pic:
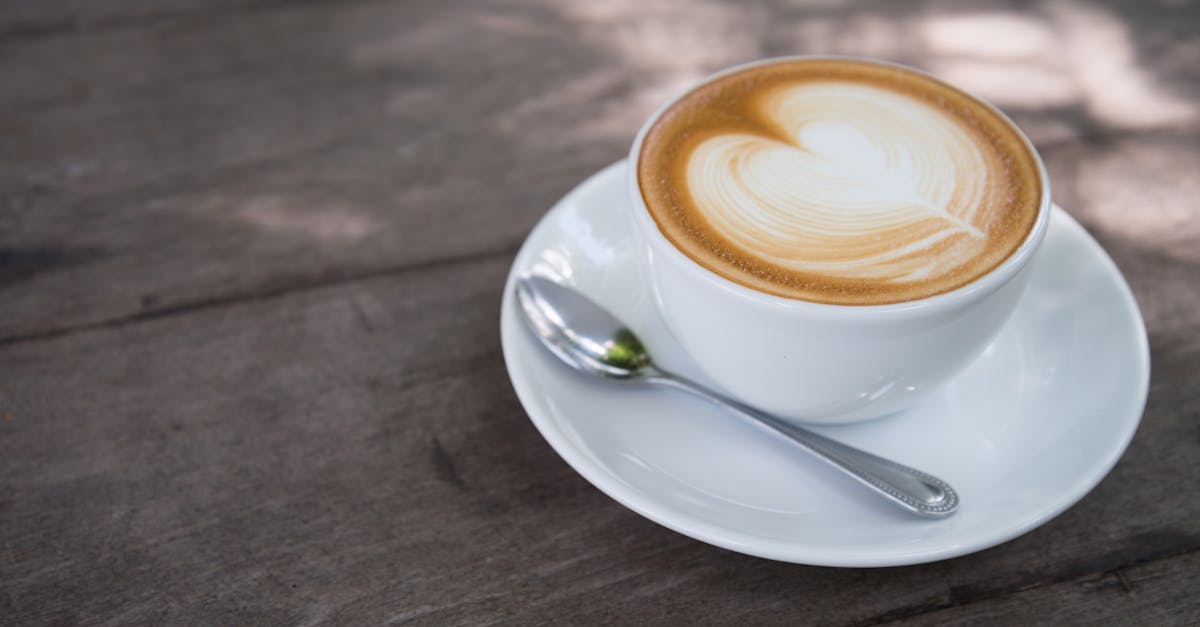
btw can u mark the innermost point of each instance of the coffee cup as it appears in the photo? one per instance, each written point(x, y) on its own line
point(831, 239)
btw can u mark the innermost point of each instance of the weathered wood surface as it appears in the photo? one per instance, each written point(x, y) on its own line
point(250, 266)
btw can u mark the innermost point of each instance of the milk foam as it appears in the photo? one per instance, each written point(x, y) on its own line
point(863, 166)
point(839, 181)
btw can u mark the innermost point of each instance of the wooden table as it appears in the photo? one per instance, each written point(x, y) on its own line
point(251, 257)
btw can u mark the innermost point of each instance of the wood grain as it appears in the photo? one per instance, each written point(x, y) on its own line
point(339, 454)
point(1159, 593)
point(251, 255)
point(303, 145)
point(202, 152)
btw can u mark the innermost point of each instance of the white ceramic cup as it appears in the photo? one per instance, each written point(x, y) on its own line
point(820, 363)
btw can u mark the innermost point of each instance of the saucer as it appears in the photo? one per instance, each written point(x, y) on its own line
point(1022, 434)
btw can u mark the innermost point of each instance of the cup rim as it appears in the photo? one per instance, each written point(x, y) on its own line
point(974, 290)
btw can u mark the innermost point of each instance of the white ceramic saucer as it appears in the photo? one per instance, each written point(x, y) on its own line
point(1022, 434)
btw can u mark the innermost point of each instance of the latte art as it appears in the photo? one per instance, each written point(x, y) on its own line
point(839, 181)
point(865, 166)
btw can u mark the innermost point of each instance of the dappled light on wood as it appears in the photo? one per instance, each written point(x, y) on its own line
point(275, 214)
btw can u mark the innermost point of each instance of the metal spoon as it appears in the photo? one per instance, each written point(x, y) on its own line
point(590, 339)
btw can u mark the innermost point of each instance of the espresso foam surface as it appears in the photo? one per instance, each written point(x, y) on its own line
point(839, 182)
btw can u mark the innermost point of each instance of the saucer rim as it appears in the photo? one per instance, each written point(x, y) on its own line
point(745, 542)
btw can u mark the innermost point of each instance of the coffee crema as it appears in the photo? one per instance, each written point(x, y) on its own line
point(839, 181)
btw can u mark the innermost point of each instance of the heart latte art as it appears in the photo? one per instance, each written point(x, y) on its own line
point(839, 181)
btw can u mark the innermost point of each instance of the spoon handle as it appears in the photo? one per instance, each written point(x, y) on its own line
point(916, 491)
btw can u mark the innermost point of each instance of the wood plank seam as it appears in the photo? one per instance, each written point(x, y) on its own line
point(962, 598)
point(235, 298)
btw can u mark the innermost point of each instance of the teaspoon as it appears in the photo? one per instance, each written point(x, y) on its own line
point(588, 338)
